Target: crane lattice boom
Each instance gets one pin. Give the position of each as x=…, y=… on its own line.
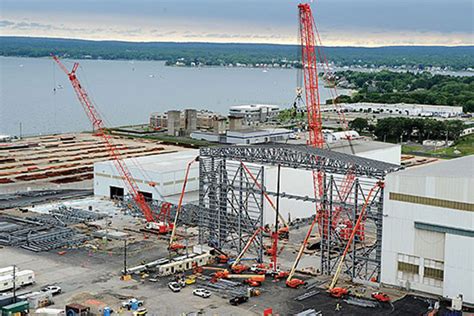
x=310, y=74
x=98, y=125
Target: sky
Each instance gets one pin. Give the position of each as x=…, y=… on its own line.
x=340, y=22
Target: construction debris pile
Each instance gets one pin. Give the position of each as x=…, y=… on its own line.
x=45, y=232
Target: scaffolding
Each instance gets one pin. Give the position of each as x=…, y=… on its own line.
x=231, y=204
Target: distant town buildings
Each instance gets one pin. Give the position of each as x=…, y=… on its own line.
x=181, y=123
x=185, y=122
x=422, y=110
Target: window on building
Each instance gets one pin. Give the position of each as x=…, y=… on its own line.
x=408, y=267
x=433, y=273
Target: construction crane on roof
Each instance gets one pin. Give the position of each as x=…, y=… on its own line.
x=100, y=130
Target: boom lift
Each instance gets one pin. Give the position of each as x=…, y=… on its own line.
x=339, y=291
x=173, y=245
x=100, y=130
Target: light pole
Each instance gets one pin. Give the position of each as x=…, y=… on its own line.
x=14, y=283
x=125, y=257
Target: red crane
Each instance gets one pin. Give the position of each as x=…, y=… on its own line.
x=309, y=37
x=313, y=110
x=310, y=75
x=98, y=125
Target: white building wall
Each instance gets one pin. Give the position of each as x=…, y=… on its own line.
x=300, y=182
x=390, y=155
x=165, y=171
x=400, y=234
x=459, y=267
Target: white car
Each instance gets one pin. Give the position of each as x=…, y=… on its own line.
x=174, y=286
x=54, y=289
x=128, y=304
x=202, y=293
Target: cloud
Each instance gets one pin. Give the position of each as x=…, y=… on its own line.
x=5, y=23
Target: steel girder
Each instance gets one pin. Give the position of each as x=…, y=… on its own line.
x=303, y=157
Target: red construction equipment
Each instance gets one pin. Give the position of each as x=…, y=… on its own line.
x=173, y=245
x=222, y=257
x=309, y=37
x=361, y=215
x=239, y=268
x=381, y=297
x=225, y=274
x=295, y=283
x=338, y=292
x=313, y=109
x=100, y=130
x=236, y=263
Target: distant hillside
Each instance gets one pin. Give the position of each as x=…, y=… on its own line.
x=456, y=58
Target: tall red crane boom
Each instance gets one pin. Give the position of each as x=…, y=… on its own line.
x=310, y=75
x=98, y=125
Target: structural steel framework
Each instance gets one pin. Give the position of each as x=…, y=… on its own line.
x=231, y=205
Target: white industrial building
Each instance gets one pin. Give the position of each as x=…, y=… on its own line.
x=428, y=229
x=402, y=109
x=159, y=177
x=253, y=114
x=246, y=136
x=332, y=137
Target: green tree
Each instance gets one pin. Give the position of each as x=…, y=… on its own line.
x=359, y=124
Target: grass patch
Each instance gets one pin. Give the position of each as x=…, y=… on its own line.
x=464, y=146
x=408, y=149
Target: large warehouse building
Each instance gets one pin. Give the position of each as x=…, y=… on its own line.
x=161, y=177
x=158, y=177
x=428, y=229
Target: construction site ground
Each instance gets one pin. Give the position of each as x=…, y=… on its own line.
x=92, y=278
x=91, y=274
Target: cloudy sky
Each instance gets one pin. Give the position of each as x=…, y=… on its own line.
x=341, y=22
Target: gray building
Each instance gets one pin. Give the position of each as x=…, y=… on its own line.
x=254, y=114
x=174, y=123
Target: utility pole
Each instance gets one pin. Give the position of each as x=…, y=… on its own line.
x=125, y=257
x=14, y=283
x=276, y=219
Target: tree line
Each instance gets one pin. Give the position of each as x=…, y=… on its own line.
x=396, y=129
x=421, y=88
x=418, y=57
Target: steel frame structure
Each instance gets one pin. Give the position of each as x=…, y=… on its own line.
x=223, y=185
x=230, y=204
